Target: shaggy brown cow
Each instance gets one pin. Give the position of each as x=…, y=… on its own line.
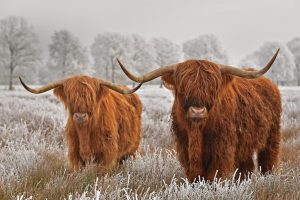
x=221, y=115
x=103, y=125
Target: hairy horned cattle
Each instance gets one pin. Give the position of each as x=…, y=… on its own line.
x=221, y=115
x=103, y=125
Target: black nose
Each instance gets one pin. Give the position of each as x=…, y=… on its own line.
x=80, y=117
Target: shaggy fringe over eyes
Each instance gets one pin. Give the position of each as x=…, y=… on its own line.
x=198, y=79
x=85, y=97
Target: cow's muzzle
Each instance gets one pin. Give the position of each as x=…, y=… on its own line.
x=197, y=113
x=80, y=118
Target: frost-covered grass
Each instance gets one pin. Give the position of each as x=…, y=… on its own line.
x=33, y=161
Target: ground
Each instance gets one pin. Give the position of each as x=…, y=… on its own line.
x=33, y=163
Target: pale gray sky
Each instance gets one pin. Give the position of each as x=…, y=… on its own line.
x=241, y=25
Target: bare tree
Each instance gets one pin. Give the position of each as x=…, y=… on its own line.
x=205, y=47
x=283, y=69
x=105, y=49
x=294, y=46
x=18, y=45
x=67, y=55
x=141, y=55
x=167, y=52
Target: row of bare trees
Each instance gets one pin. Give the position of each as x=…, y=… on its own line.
x=137, y=53
x=20, y=54
x=18, y=47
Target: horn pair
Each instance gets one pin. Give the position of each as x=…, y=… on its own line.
x=157, y=73
x=53, y=85
x=224, y=69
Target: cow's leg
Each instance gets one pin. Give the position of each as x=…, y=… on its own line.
x=131, y=153
x=181, y=142
x=131, y=141
x=245, y=167
x=222, y=162
x=110, y=151
x=181, y=145
x=125, y=157
x=195, y=156
x=74, y=159
x=268, y=157
x=84, y=143
x=73, y=148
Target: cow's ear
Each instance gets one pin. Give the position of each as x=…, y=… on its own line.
x=59, y=92
x=168, y=80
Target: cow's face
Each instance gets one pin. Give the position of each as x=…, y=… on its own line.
x=196, y=85
x=80, y=96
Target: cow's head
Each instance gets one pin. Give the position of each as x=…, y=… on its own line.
x=80, y=94
x=197, y=83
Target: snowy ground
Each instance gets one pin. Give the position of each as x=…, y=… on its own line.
x=33, y=156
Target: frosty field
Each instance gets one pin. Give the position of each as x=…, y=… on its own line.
x=33, y=162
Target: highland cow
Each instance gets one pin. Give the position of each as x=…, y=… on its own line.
x=221, y=115
x=103, y=125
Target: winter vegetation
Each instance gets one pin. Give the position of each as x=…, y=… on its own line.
x=33, y=160
x=207, y=47
x=166, y=52
x=20, y=55
x=67, y=56
x=105, y=49
x=34, y=164
x=294, y=47
x=19, y=51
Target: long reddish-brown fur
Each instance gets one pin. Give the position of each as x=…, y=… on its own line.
x=112, y=131
x=243, y=118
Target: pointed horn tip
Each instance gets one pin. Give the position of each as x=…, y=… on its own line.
x=277, y=51
x=274, y=56
x=119, y=61
x=130, y=91
x=138, y=87
x=20, y=78
x=120, y=64
x=116, y=88
x=24, y=85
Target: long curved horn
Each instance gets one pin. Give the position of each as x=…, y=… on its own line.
x=150, y=75
x=118, y=89
x=248, y=74
x=42, y=89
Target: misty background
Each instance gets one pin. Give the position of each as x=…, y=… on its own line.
x=48, y=40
